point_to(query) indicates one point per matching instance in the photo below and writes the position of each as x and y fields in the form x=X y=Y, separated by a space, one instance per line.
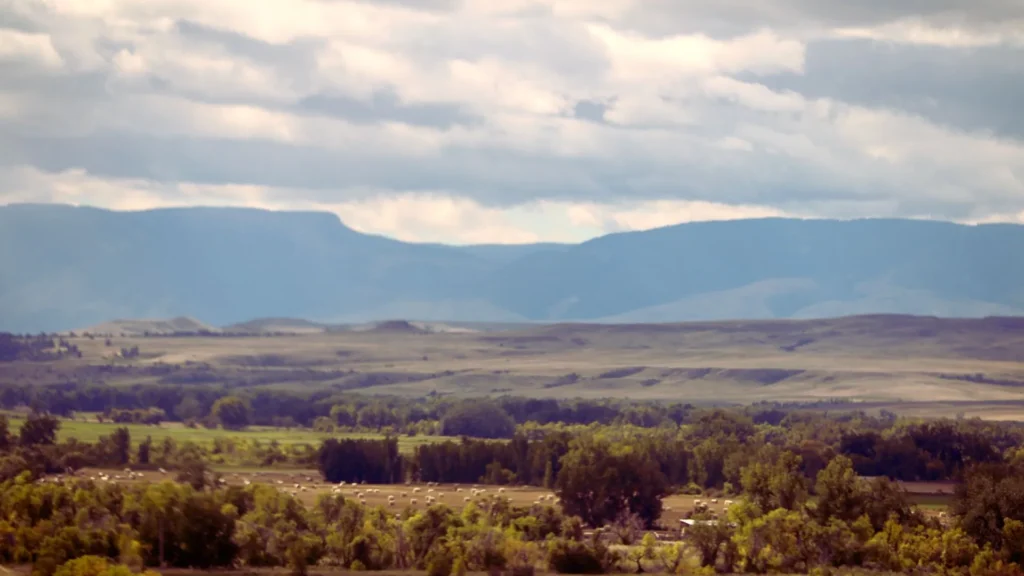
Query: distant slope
x=66 y=267
x=894 y=359
x=619 y=273
x=153 y=326
x=276 y=326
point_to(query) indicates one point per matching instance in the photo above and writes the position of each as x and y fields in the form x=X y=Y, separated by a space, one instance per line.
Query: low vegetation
x=121 y=456
x=795 y=502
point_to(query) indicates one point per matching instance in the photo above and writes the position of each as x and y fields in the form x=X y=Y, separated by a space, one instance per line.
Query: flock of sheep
x=430 y=494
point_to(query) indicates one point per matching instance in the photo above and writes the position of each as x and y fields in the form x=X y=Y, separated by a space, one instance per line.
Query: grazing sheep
x=714 y=500
x=465 y=499
x=501 y=490
x=416 y=490
x=412 y=501
x=403 y=494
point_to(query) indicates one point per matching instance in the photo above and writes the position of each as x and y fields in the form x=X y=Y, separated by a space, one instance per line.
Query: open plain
x=921 y=365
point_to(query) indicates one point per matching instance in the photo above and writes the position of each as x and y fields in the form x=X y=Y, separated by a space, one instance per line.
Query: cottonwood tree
x=600 y=482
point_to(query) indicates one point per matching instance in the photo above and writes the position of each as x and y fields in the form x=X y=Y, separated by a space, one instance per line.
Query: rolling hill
x=67 y=267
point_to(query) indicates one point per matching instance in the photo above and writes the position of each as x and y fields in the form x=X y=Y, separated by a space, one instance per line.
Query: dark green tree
x=478 y=419
x=39 y=429
x=600 y=482
x=231 y=412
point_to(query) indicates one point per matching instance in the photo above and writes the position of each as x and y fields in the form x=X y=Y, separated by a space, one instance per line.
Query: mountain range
x=66 y=267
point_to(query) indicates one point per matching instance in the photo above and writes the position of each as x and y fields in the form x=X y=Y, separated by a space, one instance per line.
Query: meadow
x=88 y=430
x=928 y=366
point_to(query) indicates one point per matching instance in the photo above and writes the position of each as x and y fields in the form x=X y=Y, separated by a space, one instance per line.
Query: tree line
x=706 y=452
x=783 y=522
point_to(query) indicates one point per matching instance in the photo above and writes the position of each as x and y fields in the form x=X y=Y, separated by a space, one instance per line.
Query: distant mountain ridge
x=65 y=267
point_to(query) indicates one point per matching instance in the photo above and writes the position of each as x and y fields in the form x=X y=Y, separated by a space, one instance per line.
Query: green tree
x=121 y=440
x=5 y=433
x=479 y=419
x=232 y=412
x=144 y=449
x=840 y=493
x=39 y=429
x=776 y=481
x=189 y=409
x=193 y=472
x=342 y=415
x=600 y=482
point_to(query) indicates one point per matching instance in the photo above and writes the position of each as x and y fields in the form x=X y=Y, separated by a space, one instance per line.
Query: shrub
x=572 y=557
x=440 y=562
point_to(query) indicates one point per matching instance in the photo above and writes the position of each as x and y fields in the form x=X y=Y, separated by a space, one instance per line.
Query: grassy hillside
x=958 y=365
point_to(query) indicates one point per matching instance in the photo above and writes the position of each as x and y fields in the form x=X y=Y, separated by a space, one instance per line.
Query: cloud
x=974 y=89
x=522 y=120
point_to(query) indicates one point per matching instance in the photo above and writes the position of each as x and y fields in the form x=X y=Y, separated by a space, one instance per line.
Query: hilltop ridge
x=68 y=267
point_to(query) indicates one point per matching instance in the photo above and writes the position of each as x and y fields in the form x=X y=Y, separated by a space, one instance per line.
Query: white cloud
x=32 y=48
x=638 y=59
x=919 y=31
x=682 y=125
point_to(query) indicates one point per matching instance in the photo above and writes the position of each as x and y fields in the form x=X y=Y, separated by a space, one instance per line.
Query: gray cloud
x=731 y=17
x=534 y=107
x=976 y=89
x=385 y=105
x=589 y=110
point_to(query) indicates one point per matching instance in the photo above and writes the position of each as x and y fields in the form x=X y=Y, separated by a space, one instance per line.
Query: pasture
x=924 y=366
x=89 y=430
x=307 y=486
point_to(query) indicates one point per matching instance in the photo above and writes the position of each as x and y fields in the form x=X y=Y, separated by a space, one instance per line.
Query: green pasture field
x=89 y=431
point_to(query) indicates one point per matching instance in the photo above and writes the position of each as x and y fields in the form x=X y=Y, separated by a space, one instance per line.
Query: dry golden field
x=922 y=365
x=307 y=485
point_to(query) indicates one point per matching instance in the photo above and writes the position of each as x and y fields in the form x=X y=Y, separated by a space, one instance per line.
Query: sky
x=511 y=121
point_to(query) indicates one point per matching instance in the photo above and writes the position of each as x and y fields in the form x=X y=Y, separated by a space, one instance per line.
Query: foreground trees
x=600 y=482
x=84 y=528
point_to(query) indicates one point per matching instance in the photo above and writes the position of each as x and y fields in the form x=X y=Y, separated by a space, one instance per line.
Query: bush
x=96 y=566
x=691 y=489
x=572 y=557
x=440 y=562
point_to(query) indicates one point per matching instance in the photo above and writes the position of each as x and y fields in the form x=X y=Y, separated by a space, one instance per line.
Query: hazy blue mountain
x=64 y=267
